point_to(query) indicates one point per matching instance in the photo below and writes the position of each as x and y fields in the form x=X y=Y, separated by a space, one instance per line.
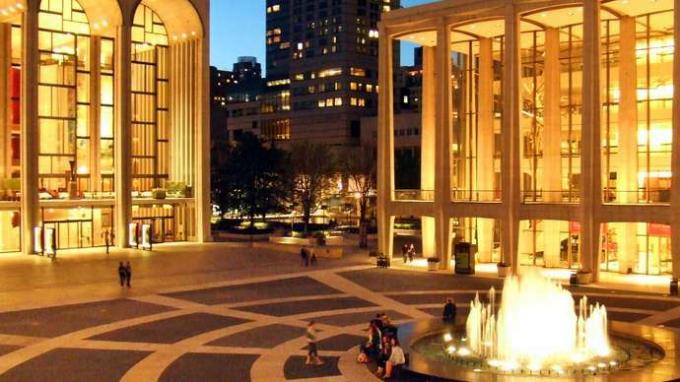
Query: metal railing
x=414 y=195
x=458 y=195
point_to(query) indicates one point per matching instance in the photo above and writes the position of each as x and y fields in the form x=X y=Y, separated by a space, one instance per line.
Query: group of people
x=125 y=274
x=307 y=257
x=382 y=346
x=408 y=252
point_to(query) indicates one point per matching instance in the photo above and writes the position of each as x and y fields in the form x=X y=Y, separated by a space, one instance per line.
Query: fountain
x=536 y=326
x=536 y=333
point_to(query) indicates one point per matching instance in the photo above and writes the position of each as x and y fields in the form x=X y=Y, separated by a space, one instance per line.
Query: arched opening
x=76 y=120
x=10 y=124
x=166 y=100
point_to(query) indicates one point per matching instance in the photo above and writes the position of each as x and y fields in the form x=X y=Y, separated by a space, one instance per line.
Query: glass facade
x=553 y=144
x=75 y=125
x=150 y=108
x=476 y=91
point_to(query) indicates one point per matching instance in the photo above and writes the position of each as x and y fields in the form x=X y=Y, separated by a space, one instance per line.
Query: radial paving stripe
x=300 y=307
x=263 y=337
x=289 y=287
x=56 y=321
x=295 y=368
x=210 y=367
x=171 y=330
x=77 y=365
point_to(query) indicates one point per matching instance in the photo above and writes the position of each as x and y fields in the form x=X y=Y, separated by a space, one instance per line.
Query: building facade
x=322 y=59
x=104 y=113
x=549 y=133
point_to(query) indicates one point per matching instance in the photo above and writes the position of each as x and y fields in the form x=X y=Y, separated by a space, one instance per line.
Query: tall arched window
x=150 y=84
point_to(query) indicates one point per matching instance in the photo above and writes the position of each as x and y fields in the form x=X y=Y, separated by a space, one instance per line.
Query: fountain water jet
x=536 y=326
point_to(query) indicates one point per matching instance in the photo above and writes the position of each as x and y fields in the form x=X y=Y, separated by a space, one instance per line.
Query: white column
x=485 y=147
x=123 y=135
x=552 y=160
x=428 y=109
x=30 y=130
x=510 y=171
x=627 y=160
x=202 y=150
x=385 y=144
x=443 y=144
x=675 y=191
x=5 y=129
x=591 y=169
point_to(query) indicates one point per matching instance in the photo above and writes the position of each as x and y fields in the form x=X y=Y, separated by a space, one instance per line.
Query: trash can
x=573 y=279
x=464 y=254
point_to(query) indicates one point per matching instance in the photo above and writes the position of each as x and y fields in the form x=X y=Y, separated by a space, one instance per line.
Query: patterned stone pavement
x=250 y=329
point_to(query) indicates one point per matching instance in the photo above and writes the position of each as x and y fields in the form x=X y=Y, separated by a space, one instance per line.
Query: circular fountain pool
x=626 y=354
x=535 y=333
x=639 y=353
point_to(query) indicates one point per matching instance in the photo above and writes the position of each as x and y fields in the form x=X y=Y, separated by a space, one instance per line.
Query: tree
x=358 y=166
x=252 y=179
x=313 y=167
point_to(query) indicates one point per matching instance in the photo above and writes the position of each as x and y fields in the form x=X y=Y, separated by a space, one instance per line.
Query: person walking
x=304 y=255
x=449 y=313
x=128 y=273
x=404 y=252
x=122 y=274
x=312 y=351
x=411 y=252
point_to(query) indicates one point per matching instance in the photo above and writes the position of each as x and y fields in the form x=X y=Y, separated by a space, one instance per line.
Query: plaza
x=231 y=313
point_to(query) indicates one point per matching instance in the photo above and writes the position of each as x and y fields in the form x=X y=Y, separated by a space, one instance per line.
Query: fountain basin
x=659 y=348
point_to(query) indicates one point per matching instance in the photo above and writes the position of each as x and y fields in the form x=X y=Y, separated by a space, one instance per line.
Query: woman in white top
x=397 y=358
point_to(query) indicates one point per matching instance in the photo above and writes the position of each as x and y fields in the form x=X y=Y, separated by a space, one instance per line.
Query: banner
x=50 y=241
x=134 y=239
x=146 y=237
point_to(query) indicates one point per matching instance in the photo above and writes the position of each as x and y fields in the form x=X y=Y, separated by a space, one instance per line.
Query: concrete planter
x=503 y=270
x=584 y=278
x=432 y=264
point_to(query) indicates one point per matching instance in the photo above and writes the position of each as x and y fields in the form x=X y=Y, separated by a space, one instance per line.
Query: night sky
x=238 y=29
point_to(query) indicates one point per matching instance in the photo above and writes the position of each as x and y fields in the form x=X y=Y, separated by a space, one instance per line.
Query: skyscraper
x=322 y=59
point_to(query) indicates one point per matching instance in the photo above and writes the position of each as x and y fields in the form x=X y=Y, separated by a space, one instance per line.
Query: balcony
x=477 y=196
x=543 y=196
x=414 y=195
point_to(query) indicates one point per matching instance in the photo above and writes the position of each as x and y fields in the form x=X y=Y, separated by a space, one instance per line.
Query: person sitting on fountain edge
x=449 y=314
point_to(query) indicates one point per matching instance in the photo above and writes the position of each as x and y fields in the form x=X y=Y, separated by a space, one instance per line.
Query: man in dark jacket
x=449 y=314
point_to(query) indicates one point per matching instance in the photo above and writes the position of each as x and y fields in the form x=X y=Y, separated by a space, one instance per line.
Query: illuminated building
x=103 y=121
x=546 y=133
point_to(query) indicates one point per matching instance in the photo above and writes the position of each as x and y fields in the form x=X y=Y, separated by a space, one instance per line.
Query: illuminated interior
x=10 y=126
x=79 y=124
x=637 y=48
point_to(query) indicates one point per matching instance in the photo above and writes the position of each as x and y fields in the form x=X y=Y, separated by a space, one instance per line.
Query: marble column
x=30 y=130
x=552 y=158
x=485 y=146
x=123 y=135
x=443 y=144
x=675 y=167
x=5 y=129
x=627 y=158
x=428 y=103
x=510 y=171
x=202 y=150
x=591 y=169
x=385 y=144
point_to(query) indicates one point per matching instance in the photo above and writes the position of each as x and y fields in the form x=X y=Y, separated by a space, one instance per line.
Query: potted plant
x=584 y=277
x=159 y=193
x=503 y=269
x=432 y=264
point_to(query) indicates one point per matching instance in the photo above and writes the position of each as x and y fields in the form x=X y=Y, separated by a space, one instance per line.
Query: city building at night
x=104 y=113
x=548 y=133
x=322 y=61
